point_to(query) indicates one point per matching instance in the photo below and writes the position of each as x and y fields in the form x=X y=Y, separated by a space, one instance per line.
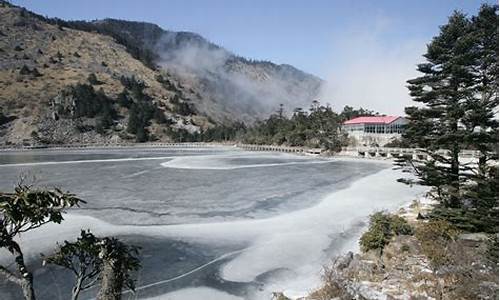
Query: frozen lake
x=217 y=223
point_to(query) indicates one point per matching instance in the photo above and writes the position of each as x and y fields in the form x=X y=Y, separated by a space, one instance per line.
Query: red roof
x=372 y=120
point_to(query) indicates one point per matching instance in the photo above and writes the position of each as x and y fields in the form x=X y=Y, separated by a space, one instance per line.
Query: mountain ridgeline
x=219 y=81
x=178 y=81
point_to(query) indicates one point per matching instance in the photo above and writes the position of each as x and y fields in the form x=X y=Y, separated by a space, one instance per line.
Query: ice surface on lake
x=218 y=223
x=196 y=293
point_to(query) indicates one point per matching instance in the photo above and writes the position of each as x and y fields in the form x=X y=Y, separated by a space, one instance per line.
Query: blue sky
x=363 y=48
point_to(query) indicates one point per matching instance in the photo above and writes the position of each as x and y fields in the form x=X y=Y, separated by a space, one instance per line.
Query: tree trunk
x=454 y=200
x=26 y=279
x=27 y=287
x=111 y=281
x=455 y=180
x=77 y=288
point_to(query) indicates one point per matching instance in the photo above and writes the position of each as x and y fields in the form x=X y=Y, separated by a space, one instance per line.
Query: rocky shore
x=403 y=269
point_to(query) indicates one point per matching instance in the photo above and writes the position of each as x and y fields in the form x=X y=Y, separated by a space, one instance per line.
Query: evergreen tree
x=92 y=79
x=443 y=89
x=133 y=120
x=481 y=120
x=141 y=135
x=123 y=99
x=459 y=93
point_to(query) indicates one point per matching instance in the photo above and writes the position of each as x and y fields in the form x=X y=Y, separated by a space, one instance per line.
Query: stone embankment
x=358 y=152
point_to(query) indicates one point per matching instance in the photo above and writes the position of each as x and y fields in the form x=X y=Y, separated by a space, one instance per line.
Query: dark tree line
x=318 y=127
x=89 y=103
x=141 y=108
x=458 y=93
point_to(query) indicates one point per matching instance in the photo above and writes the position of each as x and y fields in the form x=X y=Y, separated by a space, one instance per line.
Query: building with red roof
x=374 y=129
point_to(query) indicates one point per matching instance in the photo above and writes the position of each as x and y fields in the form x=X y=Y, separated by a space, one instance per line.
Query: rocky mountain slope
x=112 y=80
x=222 y=84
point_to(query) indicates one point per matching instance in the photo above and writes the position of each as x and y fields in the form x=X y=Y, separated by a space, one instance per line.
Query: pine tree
x=459 y=95
x=142 y=135
x=443 y=89
x=481 y=119
x=133 y=120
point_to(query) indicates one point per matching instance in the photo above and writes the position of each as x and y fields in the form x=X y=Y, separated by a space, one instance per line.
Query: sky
x=365 y=50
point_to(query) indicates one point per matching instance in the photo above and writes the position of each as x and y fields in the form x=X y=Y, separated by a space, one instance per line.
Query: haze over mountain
x=190 y=84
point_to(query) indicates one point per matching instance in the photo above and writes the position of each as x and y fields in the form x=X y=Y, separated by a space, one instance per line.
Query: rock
x=344 y=261
x=488 y=290
x=476 y=237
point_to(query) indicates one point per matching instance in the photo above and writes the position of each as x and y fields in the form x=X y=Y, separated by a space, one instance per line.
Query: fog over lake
x=213 y=223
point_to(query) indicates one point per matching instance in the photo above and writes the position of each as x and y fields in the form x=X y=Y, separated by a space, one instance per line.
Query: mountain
x=225 y=86
x=114 y=80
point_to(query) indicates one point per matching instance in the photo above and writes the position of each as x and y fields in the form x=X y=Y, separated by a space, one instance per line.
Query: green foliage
x=86 y=259
x=224 y=132
x=382 y=228
x=5 y=119
x=458 y=96
x=350 y=113
x=92 y=79
x=159 y=116
x=23 y=210
x=81 y=258
x=133 y=84
x=181 y=135
x=318 y=128
x=399 y=226
x=142 y=109
x=124 y=99
x=141 y=135
x=89 y=103
x=27 y=71
x=129 y=34
x=123 y=258
x=398 y=143
x=435 y=237
x=182 y=108
x=27 y=208
x=471 y=220
x=134 y=120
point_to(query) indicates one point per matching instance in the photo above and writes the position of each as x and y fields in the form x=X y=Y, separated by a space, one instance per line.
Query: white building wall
x=374 y=134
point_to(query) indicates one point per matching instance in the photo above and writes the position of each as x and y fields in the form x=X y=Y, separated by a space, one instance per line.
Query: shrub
x=142 y=135
x=92 y=79
x=399 y=226
x=435 y=238
x=36 y=73
x=159 y=116
x=124 y=100
x=25 y=70
x=383 y=227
